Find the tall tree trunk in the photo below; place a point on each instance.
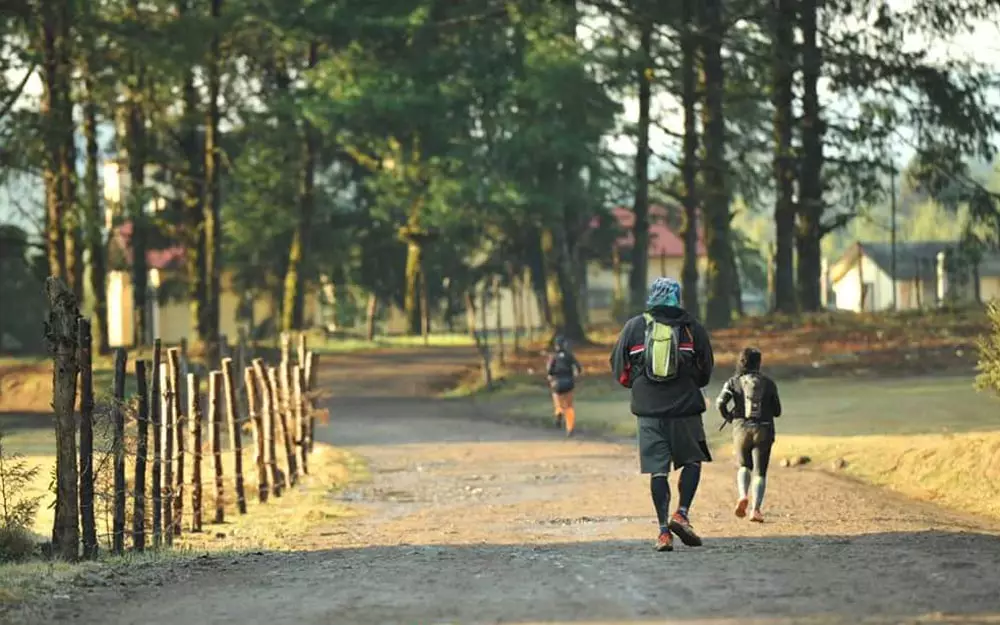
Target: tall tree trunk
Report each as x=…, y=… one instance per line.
x=537, y=269
x=784, y=173
x=53, y=106
x=213, y=195
x=94, y=221
x=135, y=142
x=811, y=207
x=411, y=298
x=562, y=291
x=714, y=167
x=689, y=166
x=638, y=280
x=191, y=190
x=292, y=311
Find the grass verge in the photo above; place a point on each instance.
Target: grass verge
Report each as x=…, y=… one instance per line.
x=931, y=438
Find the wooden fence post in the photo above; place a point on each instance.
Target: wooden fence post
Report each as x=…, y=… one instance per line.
x=310, y=374
x=61, y=330
x=302, y=351
x=167, y=484
x=194, y=410
x=286, y=347
x=86, y=361
x=214, y=432
x=177, y=414
x=141, y=450
x=267, y=410
x=286, y=420
x=301, y=427
x=118, y=450
x=156, y=423
x=235, y=436
x=250, y=388
x=275, y=428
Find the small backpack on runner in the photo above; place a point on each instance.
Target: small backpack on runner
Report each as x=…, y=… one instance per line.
x=753, y=395
x=661, y=350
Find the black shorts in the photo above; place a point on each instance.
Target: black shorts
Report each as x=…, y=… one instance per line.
x=671, y=442
x=752, y=444
x=562, y=385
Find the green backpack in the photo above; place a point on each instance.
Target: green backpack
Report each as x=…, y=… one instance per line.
x=661, y=350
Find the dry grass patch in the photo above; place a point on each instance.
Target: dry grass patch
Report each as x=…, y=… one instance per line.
x=960, y=471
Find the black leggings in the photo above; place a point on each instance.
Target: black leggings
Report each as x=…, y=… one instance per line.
x=753, y=444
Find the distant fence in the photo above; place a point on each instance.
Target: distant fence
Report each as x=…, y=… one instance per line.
x=159, y=439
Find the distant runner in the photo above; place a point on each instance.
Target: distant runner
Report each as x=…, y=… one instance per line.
x=665, y=357
x=562, y=370
x=755, y=405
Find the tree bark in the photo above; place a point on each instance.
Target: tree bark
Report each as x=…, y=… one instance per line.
x=213, y=195
x=714, y=168
x=61, y=331
x=191, y=193
x=94, y=221
x=57, y=121
x=689, y=166
x=292, y=311
x=639, y=275
x=811, y=206
x=135, y=140
x=411, y=300
x=784, y=174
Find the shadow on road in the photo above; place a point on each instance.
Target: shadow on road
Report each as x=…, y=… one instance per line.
x=884, y=577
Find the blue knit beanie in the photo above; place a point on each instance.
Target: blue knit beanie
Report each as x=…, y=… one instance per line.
x=664, y=292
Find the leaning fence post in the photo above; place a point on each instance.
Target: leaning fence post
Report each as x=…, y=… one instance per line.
x=167, y=484
x=61, y=330
x=235, y=438
x=156, y=423
x=177, y=414
x=214, y=432
x=301, y=351
x=250, y=388
x=118, y=447
x=141, y=450
x=86, y=360
x=287, y=424
x=310, y=374
x=267, y=424
x=301, y=427
x=194, y=410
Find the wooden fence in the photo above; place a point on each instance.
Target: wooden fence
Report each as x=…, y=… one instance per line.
x=172, y=426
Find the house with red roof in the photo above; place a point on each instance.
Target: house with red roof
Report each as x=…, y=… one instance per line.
x=665, y=255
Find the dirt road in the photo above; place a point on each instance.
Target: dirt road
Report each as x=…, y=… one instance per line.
x=468, y=520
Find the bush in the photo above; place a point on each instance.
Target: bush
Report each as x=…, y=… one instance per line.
x=17, y=512
x=989, y=353
x=16, y=543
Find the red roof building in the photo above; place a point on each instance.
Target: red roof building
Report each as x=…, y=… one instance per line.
x=663, y=242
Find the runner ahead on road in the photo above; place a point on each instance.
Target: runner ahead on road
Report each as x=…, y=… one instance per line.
x=562, y=369
x=664, y=356
x=755, y=401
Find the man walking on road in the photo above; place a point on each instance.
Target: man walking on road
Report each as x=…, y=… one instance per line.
x=665, y=357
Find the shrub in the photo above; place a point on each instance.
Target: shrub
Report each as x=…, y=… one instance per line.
x=17, y=512
x=989, y=353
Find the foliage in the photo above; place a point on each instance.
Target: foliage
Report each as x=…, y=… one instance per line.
x=989, y=353
x=17, y=512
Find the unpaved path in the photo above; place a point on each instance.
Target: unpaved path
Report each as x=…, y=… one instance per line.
x=468, y=520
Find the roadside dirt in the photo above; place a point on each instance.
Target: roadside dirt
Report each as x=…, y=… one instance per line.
x=468, y=520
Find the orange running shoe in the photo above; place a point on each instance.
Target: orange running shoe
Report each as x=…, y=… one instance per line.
x=757, y=516
x=665, y=542
x=741, y=507
x=680, y=526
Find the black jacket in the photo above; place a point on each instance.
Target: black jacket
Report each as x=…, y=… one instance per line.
x=680, y=397
x=736, y=389
x=566, y=367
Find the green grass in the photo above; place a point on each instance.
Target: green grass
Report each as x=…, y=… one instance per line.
x=812, y=407
x=356, y=344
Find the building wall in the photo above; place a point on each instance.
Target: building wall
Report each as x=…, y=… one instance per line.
x=989, y=288
x=847, y=290
x=172, y=320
